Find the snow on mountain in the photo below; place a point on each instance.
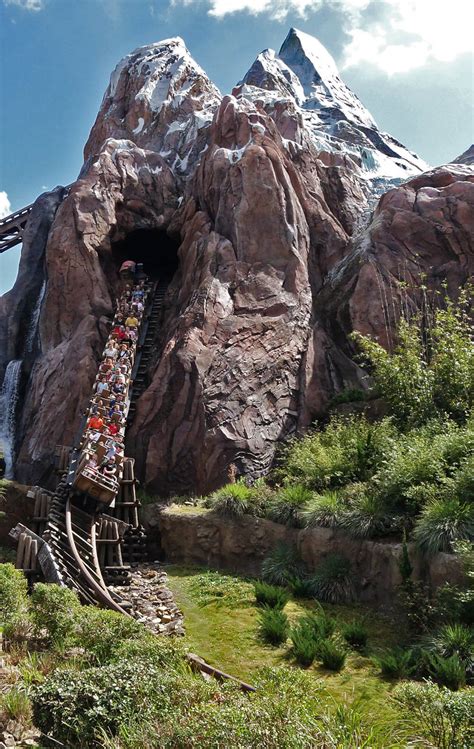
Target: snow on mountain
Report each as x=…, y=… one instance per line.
x=305, y=76
x=159, y=99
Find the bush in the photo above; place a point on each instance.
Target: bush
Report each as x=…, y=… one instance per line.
x=431, y=368
x=453, y=639
x=443, y=717
x=282, y=565
x=332, y=581
x=396, y=663
x=355, y=634
x=232, y=500
x=367, y=516
x=347, y=450
x=450, y=672
x=101, y=632
x=300, y=587
x=288, y=505
x=273, y=626
x=319, y=624
x=323, y=510
x=304, y=644
x=270, y=595
x=331, y=655
x=15, y=705
x=442, y=523
x=53, y=609
x=76, y=706
x=14, y=603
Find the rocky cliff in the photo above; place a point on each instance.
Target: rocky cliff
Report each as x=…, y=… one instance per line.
x=277, y=257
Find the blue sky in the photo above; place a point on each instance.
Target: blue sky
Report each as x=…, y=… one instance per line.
x=409, y=61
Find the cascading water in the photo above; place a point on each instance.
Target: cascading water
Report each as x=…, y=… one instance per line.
x=8, y=403
x=30, y=338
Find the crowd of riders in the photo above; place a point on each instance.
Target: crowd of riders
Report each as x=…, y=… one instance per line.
x=102, y=447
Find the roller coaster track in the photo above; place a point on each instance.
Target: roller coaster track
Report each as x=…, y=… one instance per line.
x=13, y=227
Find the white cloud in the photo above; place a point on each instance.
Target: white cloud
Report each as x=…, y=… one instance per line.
x=5, y=207
x=34, y=5
x=394, y=35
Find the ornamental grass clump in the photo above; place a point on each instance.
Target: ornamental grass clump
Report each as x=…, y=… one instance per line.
x=304, y=644
x=325, y=509
x=331, y=655
x=453, y=639
x=355, y=634
x=442, y=523
x=449, y=672
x=396, y=663
x=232, y=500
x=282, y=565
x=332, y=581
x=273, y=625
x=272, y=596
x=288, y=505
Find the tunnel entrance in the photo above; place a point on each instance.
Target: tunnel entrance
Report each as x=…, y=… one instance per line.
x=154, y=248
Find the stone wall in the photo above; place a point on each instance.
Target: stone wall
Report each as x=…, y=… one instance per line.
x=192, y=536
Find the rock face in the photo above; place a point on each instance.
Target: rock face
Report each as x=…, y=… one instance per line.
x=466, y=158
x=276, y=261
x=240, y=546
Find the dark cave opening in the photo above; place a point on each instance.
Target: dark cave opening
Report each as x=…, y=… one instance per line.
x=154, y=248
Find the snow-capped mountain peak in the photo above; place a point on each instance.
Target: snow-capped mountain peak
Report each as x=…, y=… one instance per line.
x=333, y=117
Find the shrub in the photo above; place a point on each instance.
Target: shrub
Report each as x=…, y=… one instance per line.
x=443, y=717
x=355, y=634
x=324, y=510
x=300, y=587
x=232, y=500
x=319, y=624
x=53, y=609
x=453, y=639
x=304, y=644
x=396, y=663
x=282, y=565
x=162, y=652
x=289, y=503
x=270, y=595
x=331, y=655
x=101, y=632
x=332, y=581
x=76, y=706
x=450, y=672
x=273, y=626
x=15, y=705
x=442, y=523
x=366, y=516
x=14, y=603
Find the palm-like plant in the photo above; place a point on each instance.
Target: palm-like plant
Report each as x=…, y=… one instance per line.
x=282, y=565
x=332, y=582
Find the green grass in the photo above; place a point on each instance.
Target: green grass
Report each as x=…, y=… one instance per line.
x=225, y=633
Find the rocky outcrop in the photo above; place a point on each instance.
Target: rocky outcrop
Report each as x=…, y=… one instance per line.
x=276, y=265
x=466, y=158
x=240, y=545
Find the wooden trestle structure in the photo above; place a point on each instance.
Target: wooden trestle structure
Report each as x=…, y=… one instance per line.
x=74, y=538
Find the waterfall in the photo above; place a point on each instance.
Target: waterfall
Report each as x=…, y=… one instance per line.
x=30, y=338
x=8, y=403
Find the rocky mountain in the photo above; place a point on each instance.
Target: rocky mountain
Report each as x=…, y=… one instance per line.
x=304, y=78
x=276, y=260
x=467, y=157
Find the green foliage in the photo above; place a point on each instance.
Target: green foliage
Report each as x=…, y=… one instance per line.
x=324, y=509
x=15, y=705
x=53, y=609
x=273, y=625
x=270, y=595
x=366, y=515
x=282, y=565
x=305, y=644
x=347, y=450
x=396, y=663
x=450, y=672
x=101, y=632
x=14, y=604
x=212, y=587
x=331, y=655
x=432, y=366
x=444, y=718
x=232, y=500
x=404, y=565
x=350, y=395
x=318, y=623
x=442, y=523
x=332, y=581
x=418, y=606
x=355, y=634
x=300, y=587
x=453, y=639
x=289, y=503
